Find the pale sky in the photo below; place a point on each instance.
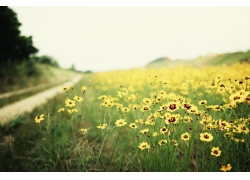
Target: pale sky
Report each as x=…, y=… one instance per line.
x=123, y=37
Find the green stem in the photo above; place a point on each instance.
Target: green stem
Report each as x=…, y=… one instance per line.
x=112, y=151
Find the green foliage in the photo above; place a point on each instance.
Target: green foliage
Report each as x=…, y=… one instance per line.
x=27, y=74
x=230, y=58
x=44, y=59
x=15, y=51
x=13, y=46
x=13, y=74
x=246, y=58
x=19, y=146
x=88, y=72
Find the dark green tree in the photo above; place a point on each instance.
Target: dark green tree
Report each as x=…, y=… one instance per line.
x=13, y=47
x=44, y=59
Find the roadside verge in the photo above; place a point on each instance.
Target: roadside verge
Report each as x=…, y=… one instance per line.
x=27, y=105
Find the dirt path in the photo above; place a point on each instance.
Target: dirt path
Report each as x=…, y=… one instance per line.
x=27, y=105
x=8, y=94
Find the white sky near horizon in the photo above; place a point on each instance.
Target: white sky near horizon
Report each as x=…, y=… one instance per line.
x=102, y=38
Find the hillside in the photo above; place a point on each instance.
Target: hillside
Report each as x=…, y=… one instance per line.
x=211, y=60
x=29, y=74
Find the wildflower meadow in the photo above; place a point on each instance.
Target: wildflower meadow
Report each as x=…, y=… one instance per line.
x=178, y=119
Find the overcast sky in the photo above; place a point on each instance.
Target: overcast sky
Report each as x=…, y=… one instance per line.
x=108, y=38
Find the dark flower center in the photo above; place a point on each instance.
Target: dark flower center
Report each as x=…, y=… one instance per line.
x=187, y=106
x=236, y=97
x=172, y=119
x=172, y=106
x=206, y=136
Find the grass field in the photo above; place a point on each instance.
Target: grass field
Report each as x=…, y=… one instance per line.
x=167, y=119
x=47, y=77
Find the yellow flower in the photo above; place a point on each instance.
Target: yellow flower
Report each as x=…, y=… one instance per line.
x=118, y=106
x=174, y=142
x=125, y=109
x=193, y=110
x=69, y=102
x=173, y=119
x=38, y=119
x=134, y=107
x=140, y=121
x=72, y=111
x=83, y=130
x=244, y=128
x=215, y=151
x=65, y=88
x=84, y=88
x=147, y=101
x=120, y=122
x=223, y=125
x=186, y=136
x=202, y=102
x=237, y=97
x=149, y=122
x=206, y=137
x=102, y=126
x=155, y=134
x=164, y=130
x=162, y=142
x=121, y=94
x=247, y=99
x=145, y=108
x=225, y=168
x=237, y=129
x=61, y=110
x=77, y=98
x=228, y=135
x=102, y=97
x=172, y=106
x=144, y=131
x=133, y=125
x=144, y=145
x=108, y=102
x=205, y=121
x=187, y=119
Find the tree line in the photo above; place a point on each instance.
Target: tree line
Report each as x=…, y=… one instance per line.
x=14, y=47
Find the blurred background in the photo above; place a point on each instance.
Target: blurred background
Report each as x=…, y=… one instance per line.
x=116, y=37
